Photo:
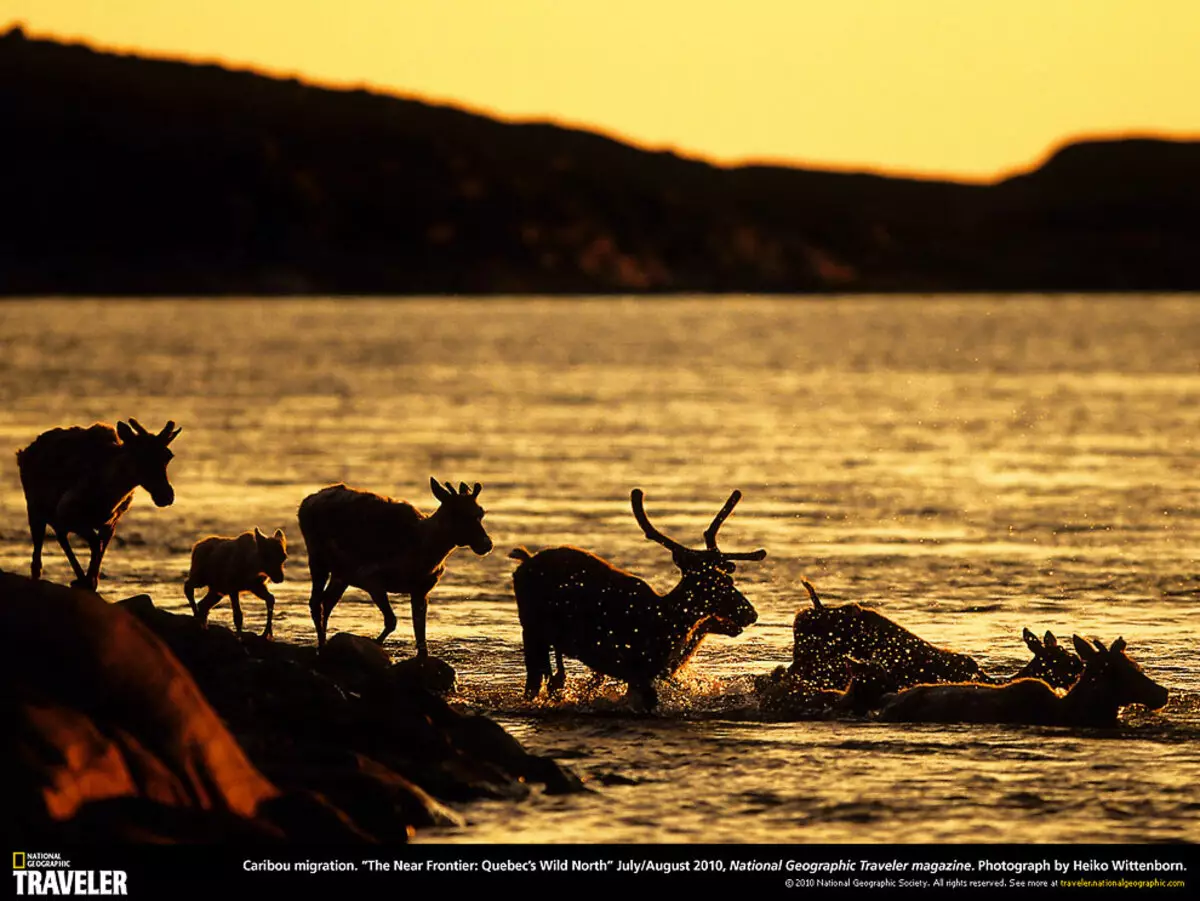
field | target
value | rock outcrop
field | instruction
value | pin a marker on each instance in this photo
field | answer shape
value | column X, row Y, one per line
column 132, row 723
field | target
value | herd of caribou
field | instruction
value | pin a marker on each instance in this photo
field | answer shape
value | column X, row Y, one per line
column 847, row 660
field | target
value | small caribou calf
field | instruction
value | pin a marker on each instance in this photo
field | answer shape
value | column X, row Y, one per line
column 1110, row 681
column 229, row 566
column 81, row 480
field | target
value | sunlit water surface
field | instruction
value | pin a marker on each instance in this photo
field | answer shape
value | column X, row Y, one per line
column 969, row 466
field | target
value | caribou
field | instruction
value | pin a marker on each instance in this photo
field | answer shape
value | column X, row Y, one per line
column 581, row 606
column 824, row 636
column 81, row 480
column 381, row 545
column 1052, row 663
column 1110, row 680
column 229, row 566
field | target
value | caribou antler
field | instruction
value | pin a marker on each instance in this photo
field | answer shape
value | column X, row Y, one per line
column 710, row 534
column 639, row 513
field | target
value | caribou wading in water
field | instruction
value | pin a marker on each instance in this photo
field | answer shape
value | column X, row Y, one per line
column 1109, row 681
column 581, row 606
column 824, row 636
column 81, row 480
column 381, row 545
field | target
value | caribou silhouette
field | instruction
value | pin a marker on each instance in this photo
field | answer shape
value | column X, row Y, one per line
column 1109, row 681
column 229, row 566
column 357, row 538
column 81, row 480
column 582, row 606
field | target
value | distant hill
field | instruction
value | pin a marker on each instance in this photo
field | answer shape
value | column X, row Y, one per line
column 125, row 175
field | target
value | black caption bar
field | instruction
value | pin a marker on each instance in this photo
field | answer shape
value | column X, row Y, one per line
column 153, row 871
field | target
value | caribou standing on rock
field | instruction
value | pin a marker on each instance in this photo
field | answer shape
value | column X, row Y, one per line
column 581, row 606
column 229, row 566
column 357, row 538
column 81, row 480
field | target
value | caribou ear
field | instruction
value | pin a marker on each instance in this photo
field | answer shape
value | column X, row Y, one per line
column 124, row 432
column 476, row 489
column 438, row 491
column 1051, row 641
column 138, row 427
column 278, row 536
column 1117, row 646
column 258, row 534
column 462, row 488
column 1100, row 645
column 1031, row 641
column 1085, row 651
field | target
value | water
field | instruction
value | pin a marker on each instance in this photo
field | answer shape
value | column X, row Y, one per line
column 970, row 466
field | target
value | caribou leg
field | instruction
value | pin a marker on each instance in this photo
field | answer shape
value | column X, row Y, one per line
column 333, row 593
column 81, row 579
column 210, row 600
column 235, row 601
column 37, row 528
column 260, row 590
column 420, row 609
column 379, row 596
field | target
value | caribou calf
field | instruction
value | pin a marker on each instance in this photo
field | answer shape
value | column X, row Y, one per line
column 81, row 480
column 229, row 566
column 581, row 606
column 1110, row 681
column 357, row 538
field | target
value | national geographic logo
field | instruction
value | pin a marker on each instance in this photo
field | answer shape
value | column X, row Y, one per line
column 47, row 873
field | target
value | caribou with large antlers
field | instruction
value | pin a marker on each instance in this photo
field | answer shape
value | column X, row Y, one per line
column 581, row 606
column 81, row 480
column 357, row 538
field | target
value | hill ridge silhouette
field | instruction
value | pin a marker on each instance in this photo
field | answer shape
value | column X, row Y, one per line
column 135, row 176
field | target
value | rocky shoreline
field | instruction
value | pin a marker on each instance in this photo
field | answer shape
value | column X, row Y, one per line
column 134, row 724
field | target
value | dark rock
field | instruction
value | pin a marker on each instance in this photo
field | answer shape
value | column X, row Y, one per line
column 355, row 658
column 262, row 739
column 103, row 710
column 428, row 673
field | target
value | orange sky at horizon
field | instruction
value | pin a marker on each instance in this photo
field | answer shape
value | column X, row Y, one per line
column 934, row 88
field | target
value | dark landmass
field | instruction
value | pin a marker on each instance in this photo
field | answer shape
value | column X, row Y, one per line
column 132, row 176
column 128, row 723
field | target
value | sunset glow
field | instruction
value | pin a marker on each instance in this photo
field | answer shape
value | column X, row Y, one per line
column 935, row 87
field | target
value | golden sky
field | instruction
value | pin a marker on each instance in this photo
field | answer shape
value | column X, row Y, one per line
column 965, row 88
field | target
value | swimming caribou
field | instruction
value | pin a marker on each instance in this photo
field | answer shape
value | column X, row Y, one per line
column 81, row 480
column 1110, row 681
column 824, row 636
column 582, row 606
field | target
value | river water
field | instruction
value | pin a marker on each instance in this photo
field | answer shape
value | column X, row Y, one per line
column 969, row 466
